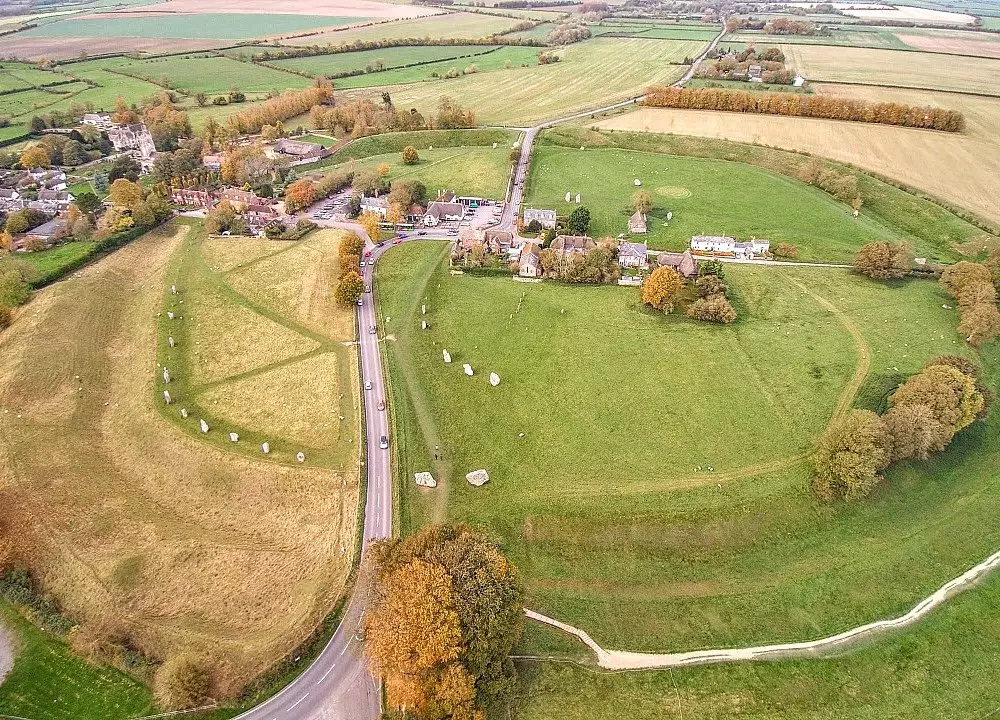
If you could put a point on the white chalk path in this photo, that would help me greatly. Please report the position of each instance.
(824, 647)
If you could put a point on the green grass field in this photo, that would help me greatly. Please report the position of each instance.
(853, 36)
(578, 82)
(706, 197)
(49, 682)
(392, 143)
(607, 503)
(213, 74)
(223, 26)
(390, 57)
(51, 262)
(26, 103)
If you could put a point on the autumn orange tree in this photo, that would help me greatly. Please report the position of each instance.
(35, 156)
(659, 289)
(446, 612)
(299, 195)
(370, 222)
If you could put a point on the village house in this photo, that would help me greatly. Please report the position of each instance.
(44, 178)
(438, 212)
(300, 151)
(545, 218)
(415, 214)
(55, 200)
(727, 246)
(44, 236)
(753, 73)
(135, 140)
(259, 216)
(188, 197)
(8, 198)
(684, 263)
(529, 263)
(496, 242)
(633, 255)
(378, 205)
(566, 245)
(637, 223)
(239, 199)
(97, 120)
(212, 162)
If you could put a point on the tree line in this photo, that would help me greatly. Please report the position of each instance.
(285, 53)
(286, 105)
(817, 106)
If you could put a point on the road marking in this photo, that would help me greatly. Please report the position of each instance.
(326, 673)
(297, 702)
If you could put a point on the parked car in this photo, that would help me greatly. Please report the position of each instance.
(360, 302)
(383, 442)
(373, 330)
(396, 241)
(381, 404)
(368, 384)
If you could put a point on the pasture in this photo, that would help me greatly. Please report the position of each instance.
(339, 63)
(961, 169)
(449, 25)
(230, 554)
(952, 41)
(578, 82)
(212, 74)
(846, 35)
(706, 197)
(885, 67)
(648, 472)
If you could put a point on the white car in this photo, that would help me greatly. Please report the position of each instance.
(383, 442)
(360, 302)
(368, 384)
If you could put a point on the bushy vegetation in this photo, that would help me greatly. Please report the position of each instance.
(884, 260)
(971, 284)
(817, 106)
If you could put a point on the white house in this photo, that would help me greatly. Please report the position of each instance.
(633, 255)
(545, 218)
(378, 205)
(529, 264)
(721, 245)
(438, 212)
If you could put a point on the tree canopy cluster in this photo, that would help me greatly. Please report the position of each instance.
(350, 285)
(884, 260)
(793, 104)
(446, 612)
(971, 284)
(925, 413)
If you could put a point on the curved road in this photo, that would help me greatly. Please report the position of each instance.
(338, 686)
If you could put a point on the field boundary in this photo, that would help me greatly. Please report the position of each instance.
(622, 660)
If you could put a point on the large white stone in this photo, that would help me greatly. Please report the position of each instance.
(425, 479)
(204, 426)
(468, 369)
(301, 457)
(265, 448)
(447, 356)
(166, 397)
(478, 478)
(494, 379)
(234, 437)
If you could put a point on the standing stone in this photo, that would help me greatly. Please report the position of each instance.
(173, 289)
(170, 315)
(423, 324)
(423, 309)
(234, 437)
(301, 457)
(170, 341)
(184, 413)
(166, 397)
(447, 356)
(468, 369)
(568, 195)
(494, 379)
(265, 448)
(670, 215)
(425, 479)
(578, 198)
(204, 426)
(478, 478)
(166, 376)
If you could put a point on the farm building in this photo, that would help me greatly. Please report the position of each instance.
(637, 223)
(684, 263)
(566, 245)
(633, 255)
(529, 264)
(545, 218)
(299, 150)
(727, 246)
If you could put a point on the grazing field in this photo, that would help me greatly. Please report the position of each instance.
(948, 41)
(963, 170)
(338, 63)
(17, 104)
(578, 82)
(647, 472)
(212, 74)
(238, 556)
(50, 262)
(49, 682)
(886, 67)
(706, 197)
(200, 26)
(851, 36)
(393, 143)
(450, 25)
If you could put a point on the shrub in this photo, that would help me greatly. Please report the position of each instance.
(711, 285)
(786, 250)
(410, 155)
(182, 682)
(712, 309)
(850, 455)
(883, 260)
(534, 227)
(6, 317)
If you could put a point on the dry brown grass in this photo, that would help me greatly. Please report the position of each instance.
(299, 401)
(333, 8)
(961, 169)
(224, 254)
(947, 41)
(820, 63)
(65, 48)
(121, 515)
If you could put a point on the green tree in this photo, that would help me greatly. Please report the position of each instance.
(579, 221)
(88, 203)
(714, 309)
(642, 202)
(950, 394)
(410, 155)
(124, 193)
(350, 288)
(712, 267)
(659, 290)
(850, 455)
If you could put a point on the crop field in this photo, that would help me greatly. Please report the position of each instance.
(451, 25)
(962, 169)
(578, 82)
(952, 41)
(504, 58)
(33, 47)
(205, 525)
(706, 197)
(885, 67)
(223, 26)
(851, 36)
(213, 74)
(647, 472)
(325, 8)
(389, 57)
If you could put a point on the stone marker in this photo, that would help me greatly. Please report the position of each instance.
(425, 479)
(478, 478)
(468, 369)
(166, 397)
(184, 413)
(170, 341)
(638, 182)
(265, 448)
(670, 216)
(494, 379)
(447, 356)
(170, 315)
(301, 457)
(173, 289)
(568, 195)
(423, 309)
(234, 437)
(423, 324)
(166, 376)
(204, 426)
(578, 198)
(494, 146)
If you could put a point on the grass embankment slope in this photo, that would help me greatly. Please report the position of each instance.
(127, 515)
(933, 231)
(607, 504)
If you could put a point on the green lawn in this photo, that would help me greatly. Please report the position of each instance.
(607, 504)
(392, 143)
(224, 26)
(214, 74)
(853, 36)
(49, 682)
(706, 197)
(51, 262)
(338, 63)
(27, 102)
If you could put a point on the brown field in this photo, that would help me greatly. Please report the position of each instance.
(65, 48)
(459, 24)
(959, 43)
(333, 8)
(961, 169)
(894, 67)
(229, 556)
